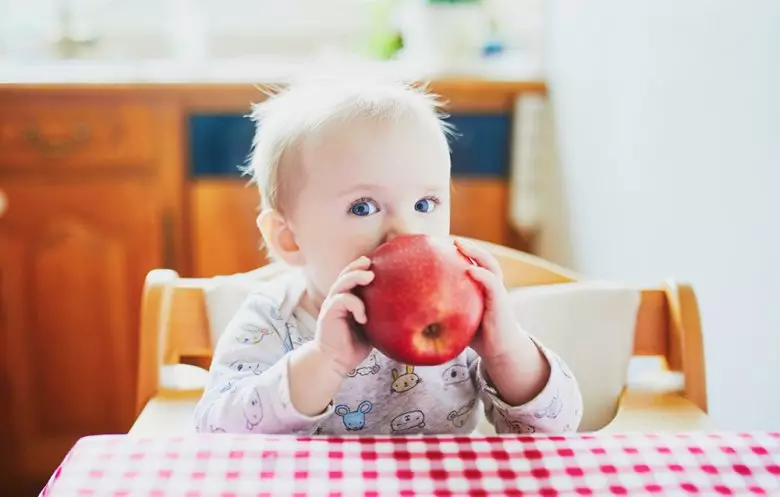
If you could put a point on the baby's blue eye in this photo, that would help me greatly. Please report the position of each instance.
(425, 205)
(363, 208)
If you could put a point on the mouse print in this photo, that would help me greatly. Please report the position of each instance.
(405, 382)
(354, 420)
(515, 425)
(367, 367)
(251, 334)
(552, 410)
(460, 416)
(407, 421)
(457, 373)
(253, 410)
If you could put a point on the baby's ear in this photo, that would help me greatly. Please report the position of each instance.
(279, 237)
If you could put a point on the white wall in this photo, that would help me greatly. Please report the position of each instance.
(137, 28)
(667, 117)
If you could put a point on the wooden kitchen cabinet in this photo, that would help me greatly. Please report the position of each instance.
(99, 184)
(72, 262)
(87, 208)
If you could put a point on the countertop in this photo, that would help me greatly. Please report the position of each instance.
(248, 70)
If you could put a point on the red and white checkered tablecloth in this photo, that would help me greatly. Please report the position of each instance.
(577, 464)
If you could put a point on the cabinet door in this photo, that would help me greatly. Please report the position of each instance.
(225, 238)
(73, 257)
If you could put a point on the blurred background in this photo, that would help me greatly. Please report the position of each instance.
(629, 141)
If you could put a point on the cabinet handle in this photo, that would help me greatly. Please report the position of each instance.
(55, 148)
(167, 239)
(3, 203)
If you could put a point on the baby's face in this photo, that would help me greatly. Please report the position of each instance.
(365, 185)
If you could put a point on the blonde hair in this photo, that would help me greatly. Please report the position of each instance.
(289, 117)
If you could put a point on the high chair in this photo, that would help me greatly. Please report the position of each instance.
(656, 381)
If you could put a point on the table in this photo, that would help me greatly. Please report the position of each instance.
(576, 464)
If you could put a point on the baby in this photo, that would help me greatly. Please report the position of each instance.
(343, 167)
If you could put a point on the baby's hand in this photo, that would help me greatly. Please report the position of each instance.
(334, 335)
(499, 331)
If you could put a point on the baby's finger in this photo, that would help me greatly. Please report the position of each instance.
(362, 262)
(488, 280)
(344, 303)
(350, 280)
(481, 256)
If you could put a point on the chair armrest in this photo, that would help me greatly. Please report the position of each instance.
(167, 415)
(654, 411)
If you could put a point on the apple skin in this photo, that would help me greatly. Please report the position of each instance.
(422, 307)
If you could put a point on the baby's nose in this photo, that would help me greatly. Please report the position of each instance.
(398, 226)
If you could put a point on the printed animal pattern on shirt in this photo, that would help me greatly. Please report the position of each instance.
(515, 425)
(457, 373)
(242, 366)
(251, 334)
(564, 368)
(253, 410)
(354, 420)
(228, 386)
(460, 416)
(263, 307)
(407, 421)
(369, 366)
(552, 410)
(406, 381)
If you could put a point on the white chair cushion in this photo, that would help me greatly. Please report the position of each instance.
(591, 326)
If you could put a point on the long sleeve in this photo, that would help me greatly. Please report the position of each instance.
(556, 409)
(248, 384)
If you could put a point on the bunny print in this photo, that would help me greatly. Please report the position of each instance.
(369, 366)
(406, 381)
(354, 420)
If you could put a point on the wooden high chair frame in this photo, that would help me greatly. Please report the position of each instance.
(175, 330)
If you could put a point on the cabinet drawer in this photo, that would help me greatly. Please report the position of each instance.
(54, 133)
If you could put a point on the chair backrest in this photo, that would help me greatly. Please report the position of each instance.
(175, 325)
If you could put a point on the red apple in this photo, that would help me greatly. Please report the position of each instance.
(422, 306)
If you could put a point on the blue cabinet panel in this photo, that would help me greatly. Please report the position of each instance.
(220, 143)
(481, 146)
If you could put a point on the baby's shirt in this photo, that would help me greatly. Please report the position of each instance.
(248, 384)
